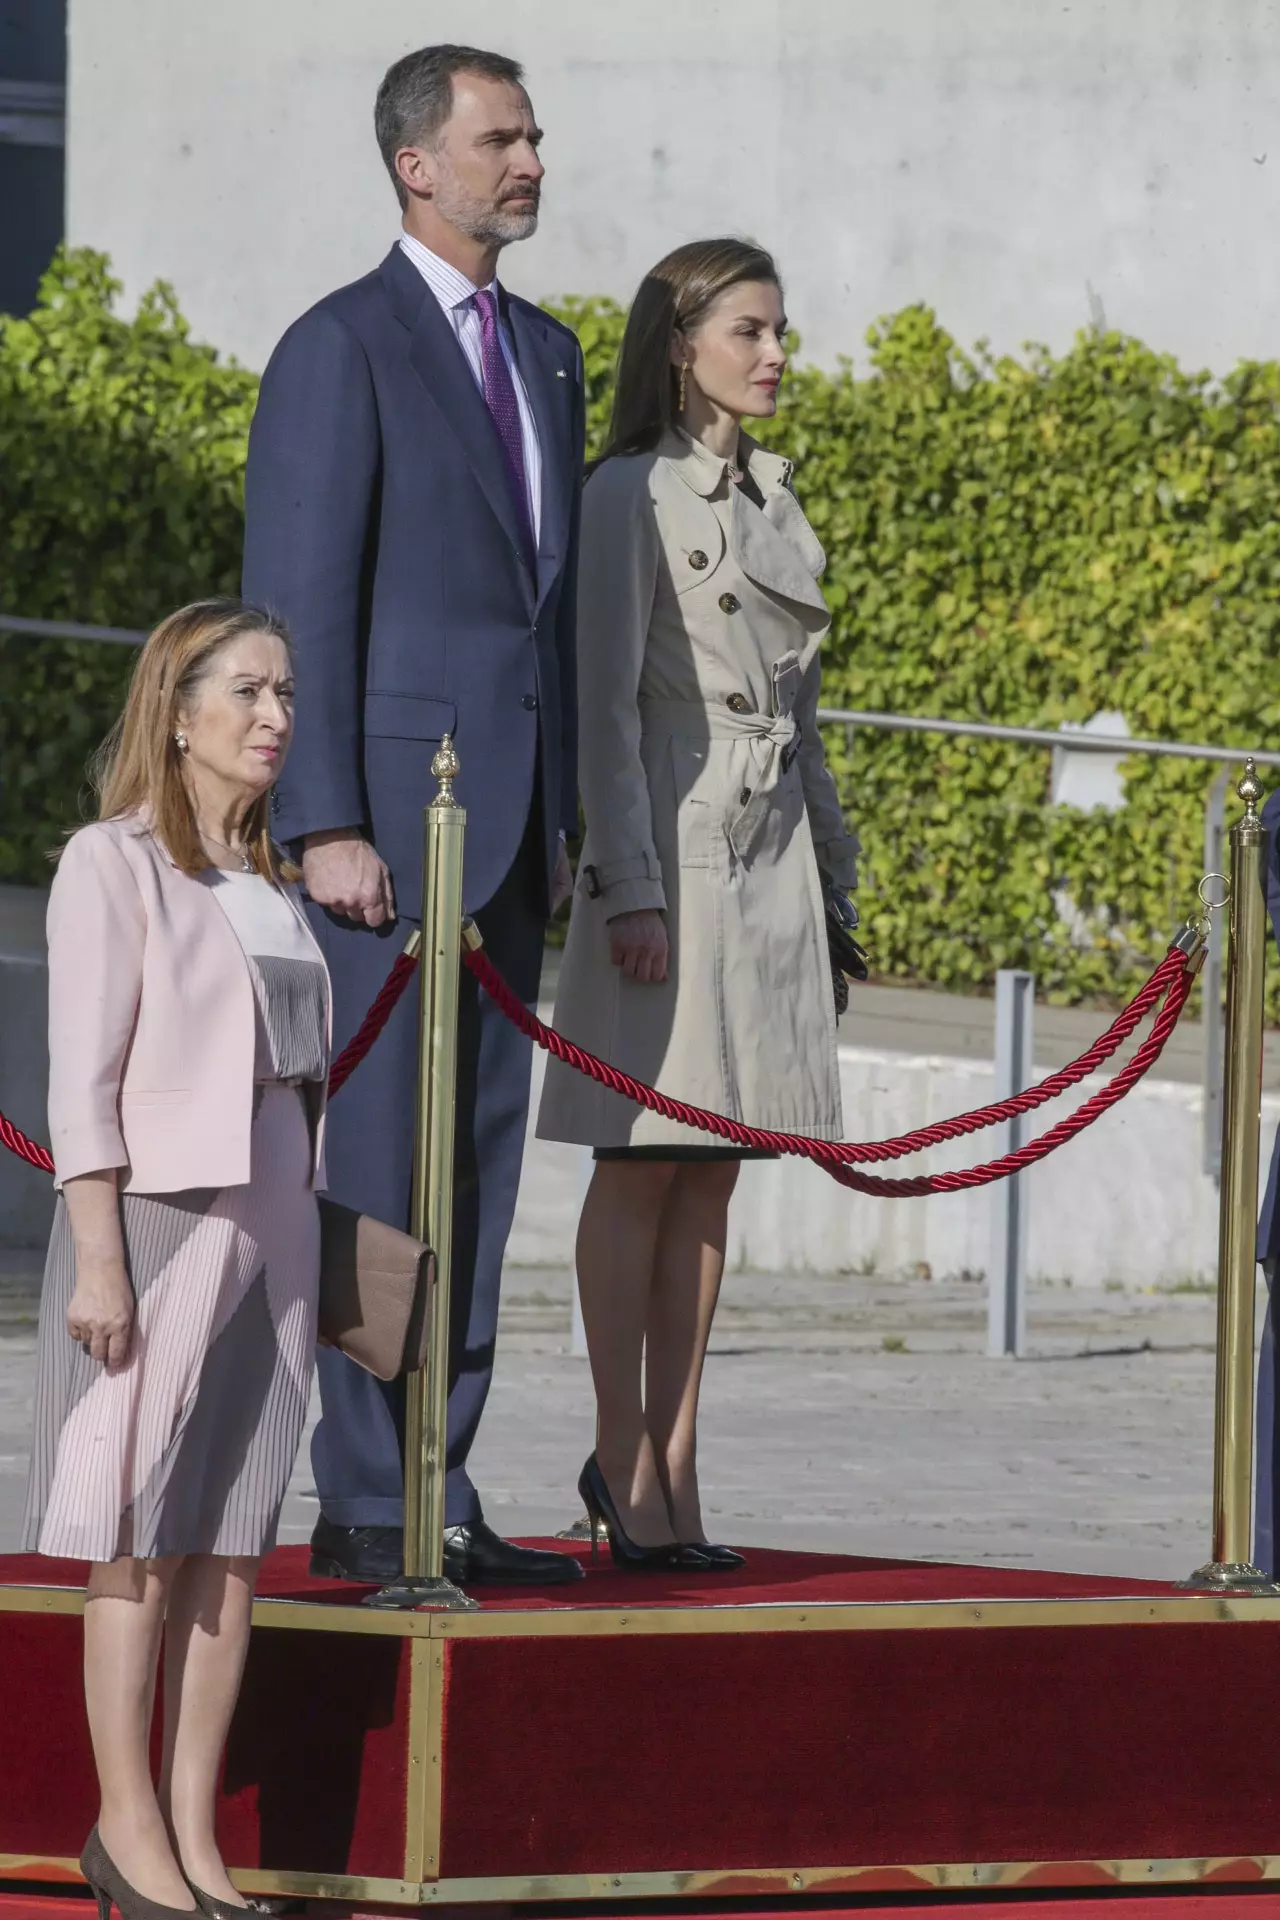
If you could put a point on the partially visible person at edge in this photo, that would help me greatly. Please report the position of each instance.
(412, 511)
(188, 1054)
(697, 951)
(1267, 1517)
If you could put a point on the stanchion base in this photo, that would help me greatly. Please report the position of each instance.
(1230, 1576)
(412, 1591)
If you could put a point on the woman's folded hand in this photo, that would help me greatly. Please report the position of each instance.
(638, 944)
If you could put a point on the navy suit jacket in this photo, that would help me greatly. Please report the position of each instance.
(380, 523)
(1269, 1221)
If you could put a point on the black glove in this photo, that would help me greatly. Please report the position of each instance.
(848, 959)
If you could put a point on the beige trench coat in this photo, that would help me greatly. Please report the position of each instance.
(706, 795)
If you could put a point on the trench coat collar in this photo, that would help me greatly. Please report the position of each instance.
(779, 549)
(705, 472)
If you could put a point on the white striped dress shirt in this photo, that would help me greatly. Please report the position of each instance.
(456, 296)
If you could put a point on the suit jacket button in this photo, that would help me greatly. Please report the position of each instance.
(729, 603)
(738, 703)
(529, 702)
(697, 559)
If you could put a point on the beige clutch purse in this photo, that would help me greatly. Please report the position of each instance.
(376, 1287)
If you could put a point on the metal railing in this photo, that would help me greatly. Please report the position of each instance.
(1072, 740)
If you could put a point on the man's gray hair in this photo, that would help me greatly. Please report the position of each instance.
(416, 97)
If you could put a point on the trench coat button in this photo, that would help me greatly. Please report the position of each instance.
(744, 796)
(738, 703)
(529, 701)
(729, 603)
(697, 559)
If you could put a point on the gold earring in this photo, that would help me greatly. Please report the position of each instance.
(684, 368)
(180, 742)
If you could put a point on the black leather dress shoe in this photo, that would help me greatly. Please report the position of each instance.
(372, 1555)
(476, 1553)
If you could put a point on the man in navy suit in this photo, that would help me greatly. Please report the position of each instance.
(1267, 1497)
(412, 511)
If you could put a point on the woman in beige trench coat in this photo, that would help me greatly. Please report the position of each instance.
(697, 950)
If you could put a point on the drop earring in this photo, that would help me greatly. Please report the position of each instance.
(180, 742)
(684, 369)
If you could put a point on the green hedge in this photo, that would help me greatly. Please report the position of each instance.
(1024, 541)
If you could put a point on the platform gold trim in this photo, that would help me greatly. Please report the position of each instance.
(771, 1882)
(843, 1616)
(426, 1748)
(775, 1882)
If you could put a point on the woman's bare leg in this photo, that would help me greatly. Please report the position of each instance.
(617, 1237)
(124, 1615)
(206, 1640)
(688, 1268)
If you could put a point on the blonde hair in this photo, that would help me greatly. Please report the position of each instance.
(138, 768)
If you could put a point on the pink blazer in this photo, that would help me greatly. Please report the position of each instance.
(151, 1020)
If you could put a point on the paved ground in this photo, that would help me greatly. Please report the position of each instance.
(850, 1412)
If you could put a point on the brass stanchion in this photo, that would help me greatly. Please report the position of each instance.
(1232, 1566)
(423, 1583)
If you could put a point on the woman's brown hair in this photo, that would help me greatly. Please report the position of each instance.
(139, 764)
(674, 296)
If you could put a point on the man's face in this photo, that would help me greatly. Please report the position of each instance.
(484, 168)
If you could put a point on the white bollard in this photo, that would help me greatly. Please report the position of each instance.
(1007, 1280)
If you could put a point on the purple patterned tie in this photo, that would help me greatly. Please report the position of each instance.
(500, 398)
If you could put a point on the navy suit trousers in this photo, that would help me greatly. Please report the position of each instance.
(357, 1448)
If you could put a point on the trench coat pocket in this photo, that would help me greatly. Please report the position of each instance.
(694, 812)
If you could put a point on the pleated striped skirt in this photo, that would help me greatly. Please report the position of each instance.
(189, 1447)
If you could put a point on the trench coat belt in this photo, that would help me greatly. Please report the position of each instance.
(698, 720)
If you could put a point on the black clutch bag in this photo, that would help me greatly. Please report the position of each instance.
(848, 959)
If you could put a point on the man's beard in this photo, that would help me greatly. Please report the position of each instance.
(492, 226)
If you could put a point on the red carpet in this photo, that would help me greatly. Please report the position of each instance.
(768, 1578)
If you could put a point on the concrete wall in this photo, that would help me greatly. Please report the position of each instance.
(1023, 166)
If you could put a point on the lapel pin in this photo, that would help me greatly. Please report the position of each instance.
(561, 374)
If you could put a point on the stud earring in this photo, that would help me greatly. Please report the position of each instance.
(684, 369)
(180, 742)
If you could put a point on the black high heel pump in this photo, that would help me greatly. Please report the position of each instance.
(718, 1559)
(593, 1491)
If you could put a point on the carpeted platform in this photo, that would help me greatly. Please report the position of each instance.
(769, 1578)
(809, 1726)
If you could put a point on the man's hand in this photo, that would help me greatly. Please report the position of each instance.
(638, 944)
(562, 884)
(342, 872)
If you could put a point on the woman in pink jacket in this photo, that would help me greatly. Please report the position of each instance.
(189, 1047)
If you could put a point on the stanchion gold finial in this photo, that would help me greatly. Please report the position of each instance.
(1232, 1567)
(446, 767)
(423, 1583)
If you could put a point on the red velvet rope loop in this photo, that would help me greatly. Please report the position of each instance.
(1171, 982)
(17, 1142)
(373, 1023)
(1172, 979)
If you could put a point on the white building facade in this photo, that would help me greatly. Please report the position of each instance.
(1025, 166)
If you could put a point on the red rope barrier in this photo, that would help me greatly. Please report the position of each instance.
(373, 1023)
(1171, 982)
(17, 1142)
(1172, 979)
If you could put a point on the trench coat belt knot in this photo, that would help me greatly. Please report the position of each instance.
(699, 720)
